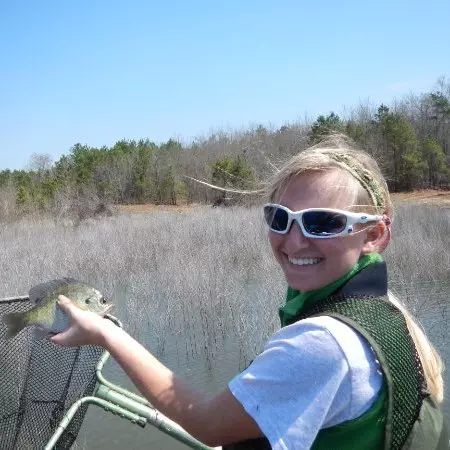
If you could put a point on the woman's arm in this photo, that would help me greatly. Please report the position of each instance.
(213, 420)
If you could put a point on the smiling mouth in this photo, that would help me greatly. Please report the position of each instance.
(304, 261)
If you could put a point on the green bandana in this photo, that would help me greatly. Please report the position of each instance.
(296, 301)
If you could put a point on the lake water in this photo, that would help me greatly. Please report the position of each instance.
(103, 431)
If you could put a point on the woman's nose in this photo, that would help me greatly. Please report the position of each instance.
(295, 236)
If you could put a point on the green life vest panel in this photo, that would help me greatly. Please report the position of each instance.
(409, 413)
(404, 416)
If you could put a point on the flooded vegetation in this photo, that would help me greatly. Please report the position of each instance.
(200, 287)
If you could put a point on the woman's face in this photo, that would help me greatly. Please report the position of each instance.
(308, 263)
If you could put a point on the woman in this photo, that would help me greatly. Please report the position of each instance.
(349, 368)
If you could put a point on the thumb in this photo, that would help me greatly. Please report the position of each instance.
(59, 338)
(66, 305)
(64, 338)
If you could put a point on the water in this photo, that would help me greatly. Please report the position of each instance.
(102, 430)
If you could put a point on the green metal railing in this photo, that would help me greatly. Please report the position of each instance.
(128, 405)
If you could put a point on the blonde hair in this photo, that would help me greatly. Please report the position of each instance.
(364, 176)
(338, 152)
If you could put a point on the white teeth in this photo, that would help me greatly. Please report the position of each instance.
(304, 261)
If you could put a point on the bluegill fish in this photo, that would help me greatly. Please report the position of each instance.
(46, 313)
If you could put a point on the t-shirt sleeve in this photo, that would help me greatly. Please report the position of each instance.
(298, 381)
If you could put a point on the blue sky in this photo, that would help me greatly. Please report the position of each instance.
(96, 72)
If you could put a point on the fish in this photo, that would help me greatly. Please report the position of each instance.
(46, 313)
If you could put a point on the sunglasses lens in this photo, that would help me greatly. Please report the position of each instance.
(276, 218)
(324, 223)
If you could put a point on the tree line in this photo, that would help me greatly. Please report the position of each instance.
(409, 138)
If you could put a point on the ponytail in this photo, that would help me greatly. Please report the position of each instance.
(429, 357)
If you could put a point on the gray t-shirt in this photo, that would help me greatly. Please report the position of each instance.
(313, 374)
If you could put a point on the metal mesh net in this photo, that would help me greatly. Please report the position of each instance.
(39, 382)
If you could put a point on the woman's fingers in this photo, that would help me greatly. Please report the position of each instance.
(65, 304)
(69, 308)
(61, 338)
(85, 327)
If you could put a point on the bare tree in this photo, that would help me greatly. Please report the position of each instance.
(40, 162)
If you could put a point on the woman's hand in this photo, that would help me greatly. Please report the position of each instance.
(87, 328)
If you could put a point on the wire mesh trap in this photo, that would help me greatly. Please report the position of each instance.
(39, 382)
(46, 390)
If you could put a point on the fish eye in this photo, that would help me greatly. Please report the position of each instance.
(87, 301)
(103, 300)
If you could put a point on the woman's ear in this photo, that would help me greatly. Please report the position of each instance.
(377, 238)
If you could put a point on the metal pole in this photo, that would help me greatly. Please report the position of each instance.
(115, 409)
(153, 417)
(102, 380)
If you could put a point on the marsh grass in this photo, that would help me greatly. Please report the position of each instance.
(418, 256)
(196, 279)
(193, 276)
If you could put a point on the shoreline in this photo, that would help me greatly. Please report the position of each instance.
(437, 197)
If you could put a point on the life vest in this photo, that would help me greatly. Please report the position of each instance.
(405, 415)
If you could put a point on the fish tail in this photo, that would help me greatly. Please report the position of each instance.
(15, 323)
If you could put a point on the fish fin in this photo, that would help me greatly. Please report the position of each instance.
(38, 292)
(15, 323)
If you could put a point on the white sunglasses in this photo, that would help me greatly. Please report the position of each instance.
(317, 223)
